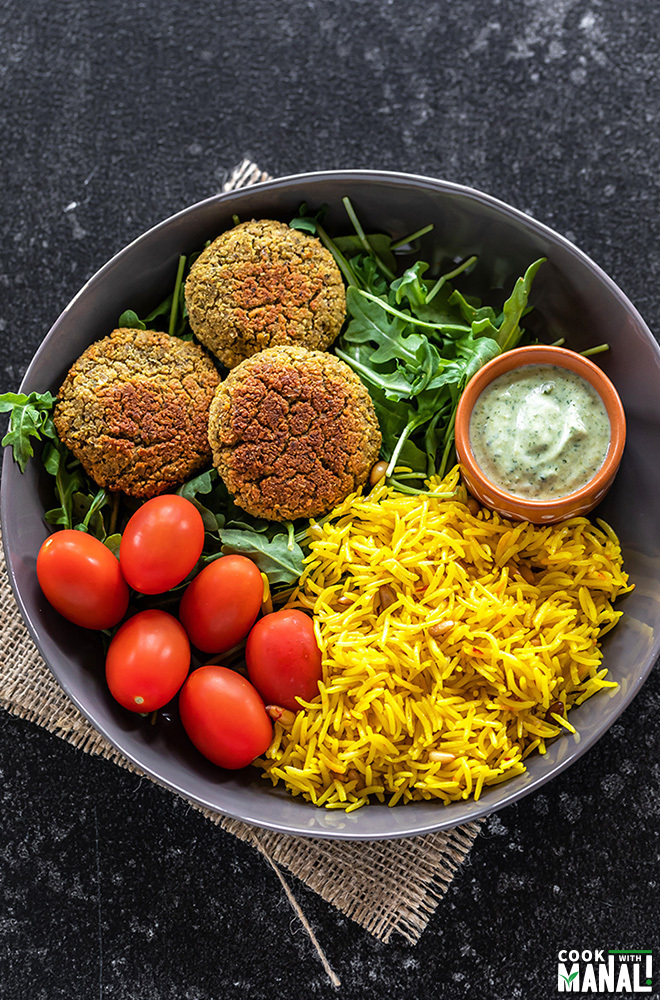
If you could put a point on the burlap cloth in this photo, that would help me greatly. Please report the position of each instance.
(385, 886)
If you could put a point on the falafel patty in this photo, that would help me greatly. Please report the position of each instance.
(263, 284)
(134, 410)
(293, 432)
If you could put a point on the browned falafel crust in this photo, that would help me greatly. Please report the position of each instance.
(293, 432)
(263, 284)
(134, 410)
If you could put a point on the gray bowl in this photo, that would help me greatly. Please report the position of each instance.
(573, 298)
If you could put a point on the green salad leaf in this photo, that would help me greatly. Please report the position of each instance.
(29, 417)
(79, 499)
(277, 557)
(129, 320)
(415, 341)
(272, 545)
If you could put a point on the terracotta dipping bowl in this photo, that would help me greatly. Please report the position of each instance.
(521, 508)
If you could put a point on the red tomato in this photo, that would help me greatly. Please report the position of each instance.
(161, 543)
(220, 606)
(82, 579)
(147, 661)
(283, 659)
(224, 717)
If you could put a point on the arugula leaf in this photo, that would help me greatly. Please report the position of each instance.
(162, 309)
(369, 323)
(378, 250)
(473, 353)
(410, 285)
(472, 311)
(30, 417)
(202, 483)
(305, 222)
(279, 557)
(304, 225)
(392, 419)
(87, 511)
(271, 545)
(209, 519)
(367, 244)
(80, 500)
(417, 343)
(178, 300)
(130, 320)
(67, 482)
(368, 275)
(412, 318)
(113, 542)
(515, 306)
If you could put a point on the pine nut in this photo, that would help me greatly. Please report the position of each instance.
(281, 715)
(526, 573)
(440, 627)
(386, 596)
(555, 709)
(378, 470)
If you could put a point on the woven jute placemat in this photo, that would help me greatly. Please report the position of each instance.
(385, 886)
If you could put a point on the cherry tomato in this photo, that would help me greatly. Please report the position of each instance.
(224, 716)
(283, 659)
(82, 579)
(161, 543)
(147, 661)
(220, 606)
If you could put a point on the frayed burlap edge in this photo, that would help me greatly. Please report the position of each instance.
(384, 886)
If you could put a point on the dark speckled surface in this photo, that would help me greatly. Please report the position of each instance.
(117, 115)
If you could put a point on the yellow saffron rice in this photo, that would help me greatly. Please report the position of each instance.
(453, 646)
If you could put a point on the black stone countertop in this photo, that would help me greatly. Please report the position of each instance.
(116, 115)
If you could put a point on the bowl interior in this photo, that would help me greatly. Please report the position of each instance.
(572, 299)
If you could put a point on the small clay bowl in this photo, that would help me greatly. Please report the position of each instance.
(521, 508)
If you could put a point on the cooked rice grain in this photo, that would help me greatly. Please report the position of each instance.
(493, 623)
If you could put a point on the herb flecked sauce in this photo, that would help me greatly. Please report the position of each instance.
(539, 432)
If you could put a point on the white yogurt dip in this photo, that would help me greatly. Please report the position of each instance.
(539, 432)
